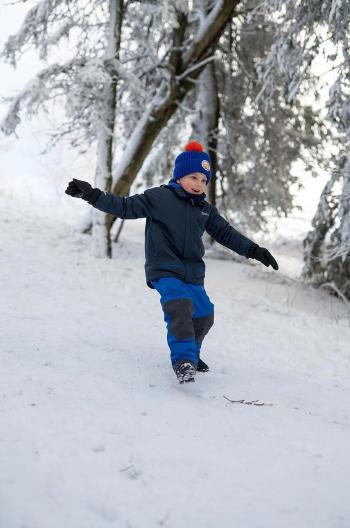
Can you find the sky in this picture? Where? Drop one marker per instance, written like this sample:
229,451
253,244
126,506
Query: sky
24,172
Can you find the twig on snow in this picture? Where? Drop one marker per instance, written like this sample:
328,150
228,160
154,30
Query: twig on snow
253,402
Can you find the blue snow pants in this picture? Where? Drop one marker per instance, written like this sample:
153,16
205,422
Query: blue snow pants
188,314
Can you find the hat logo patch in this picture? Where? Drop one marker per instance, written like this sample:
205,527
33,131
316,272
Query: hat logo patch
206,165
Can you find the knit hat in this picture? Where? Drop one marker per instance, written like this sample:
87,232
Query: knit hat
192,160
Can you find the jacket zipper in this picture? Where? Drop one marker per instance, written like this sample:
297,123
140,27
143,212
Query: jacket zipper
186,223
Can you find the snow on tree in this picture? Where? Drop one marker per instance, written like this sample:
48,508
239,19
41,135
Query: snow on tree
189,48
258,148
252,150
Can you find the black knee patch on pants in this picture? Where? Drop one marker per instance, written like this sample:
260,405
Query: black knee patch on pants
202,325
180,313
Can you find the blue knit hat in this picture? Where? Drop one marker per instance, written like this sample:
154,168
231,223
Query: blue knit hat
192,160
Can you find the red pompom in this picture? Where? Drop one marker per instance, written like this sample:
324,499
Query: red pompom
194,145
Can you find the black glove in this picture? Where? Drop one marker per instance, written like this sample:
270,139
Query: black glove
262,255
82,189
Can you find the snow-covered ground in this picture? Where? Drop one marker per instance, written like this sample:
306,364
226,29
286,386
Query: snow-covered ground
95,431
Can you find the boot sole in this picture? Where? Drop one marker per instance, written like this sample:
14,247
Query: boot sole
187,378
184,380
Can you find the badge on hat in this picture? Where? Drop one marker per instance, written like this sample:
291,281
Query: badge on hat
206,165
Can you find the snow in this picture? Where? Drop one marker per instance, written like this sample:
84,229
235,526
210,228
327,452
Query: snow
95,430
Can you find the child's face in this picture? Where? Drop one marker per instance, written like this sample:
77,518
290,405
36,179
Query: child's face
195,183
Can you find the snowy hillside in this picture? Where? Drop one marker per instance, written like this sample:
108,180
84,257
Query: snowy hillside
95,430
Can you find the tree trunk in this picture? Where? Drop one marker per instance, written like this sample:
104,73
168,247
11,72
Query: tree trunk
101,240
206,123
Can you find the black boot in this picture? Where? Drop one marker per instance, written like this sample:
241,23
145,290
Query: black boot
185,370
202,367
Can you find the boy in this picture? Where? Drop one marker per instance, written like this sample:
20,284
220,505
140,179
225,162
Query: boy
176,216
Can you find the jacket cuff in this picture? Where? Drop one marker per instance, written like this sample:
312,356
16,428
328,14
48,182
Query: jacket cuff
93,196
252,250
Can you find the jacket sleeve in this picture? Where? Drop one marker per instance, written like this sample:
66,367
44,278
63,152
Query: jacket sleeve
131,207
228,236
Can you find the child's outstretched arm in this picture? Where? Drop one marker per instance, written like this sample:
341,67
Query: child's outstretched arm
228,236
131,207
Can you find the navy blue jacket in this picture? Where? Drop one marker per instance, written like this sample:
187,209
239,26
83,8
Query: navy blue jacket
175,224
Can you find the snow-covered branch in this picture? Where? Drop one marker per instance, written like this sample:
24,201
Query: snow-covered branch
194,67
115,67
210,30
36,92
33,29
